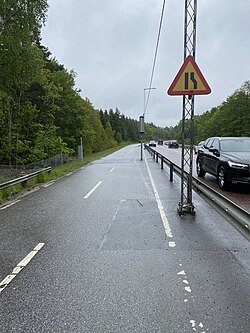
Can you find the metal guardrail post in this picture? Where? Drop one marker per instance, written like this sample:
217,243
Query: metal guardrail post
156,157
24,183
161,162
171,171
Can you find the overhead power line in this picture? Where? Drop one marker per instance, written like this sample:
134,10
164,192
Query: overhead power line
155,56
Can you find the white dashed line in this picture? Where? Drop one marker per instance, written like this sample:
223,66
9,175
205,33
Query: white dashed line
19,267
111,170
93,189
196,327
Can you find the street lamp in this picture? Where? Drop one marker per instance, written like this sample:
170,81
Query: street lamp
142,118
144,104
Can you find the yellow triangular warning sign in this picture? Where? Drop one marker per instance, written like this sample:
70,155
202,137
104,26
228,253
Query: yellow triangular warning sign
189,80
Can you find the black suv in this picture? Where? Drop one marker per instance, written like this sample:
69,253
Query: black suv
173,144
227,158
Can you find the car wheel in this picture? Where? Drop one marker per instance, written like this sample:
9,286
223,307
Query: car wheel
221,178
199,170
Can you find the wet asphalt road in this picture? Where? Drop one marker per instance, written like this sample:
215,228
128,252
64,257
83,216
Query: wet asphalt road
118,258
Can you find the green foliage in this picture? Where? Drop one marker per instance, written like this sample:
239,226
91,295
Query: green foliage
9,192
231,118
42,114
118,137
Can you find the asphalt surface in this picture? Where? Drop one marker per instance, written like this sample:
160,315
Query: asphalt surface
115,256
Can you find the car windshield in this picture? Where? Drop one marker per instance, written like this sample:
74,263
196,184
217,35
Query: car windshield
239,144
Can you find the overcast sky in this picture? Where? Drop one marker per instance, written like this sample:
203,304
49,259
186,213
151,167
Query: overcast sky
110,44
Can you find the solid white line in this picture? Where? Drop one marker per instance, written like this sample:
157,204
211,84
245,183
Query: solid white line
93,189
49,184
19,267
111,170
9,205
159,204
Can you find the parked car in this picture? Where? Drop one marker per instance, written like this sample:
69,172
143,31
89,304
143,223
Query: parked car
196,148
152,143
227,158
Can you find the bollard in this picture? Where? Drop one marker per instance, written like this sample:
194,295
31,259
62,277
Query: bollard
156,157
162,162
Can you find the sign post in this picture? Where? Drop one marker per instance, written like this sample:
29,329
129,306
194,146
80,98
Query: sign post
188,82
141,132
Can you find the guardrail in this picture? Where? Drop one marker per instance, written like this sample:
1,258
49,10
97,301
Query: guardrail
236,215
23,179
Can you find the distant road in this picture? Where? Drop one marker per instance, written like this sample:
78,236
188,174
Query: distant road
104,250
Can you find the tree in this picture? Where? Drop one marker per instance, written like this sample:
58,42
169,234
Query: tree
20,59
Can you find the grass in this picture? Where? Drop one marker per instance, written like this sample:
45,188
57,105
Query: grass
10,192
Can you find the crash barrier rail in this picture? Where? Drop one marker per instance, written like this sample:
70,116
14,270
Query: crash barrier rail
23,179
236,215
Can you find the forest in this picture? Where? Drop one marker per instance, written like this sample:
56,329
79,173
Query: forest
42,113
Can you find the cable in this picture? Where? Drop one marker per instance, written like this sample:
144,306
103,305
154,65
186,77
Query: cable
154,62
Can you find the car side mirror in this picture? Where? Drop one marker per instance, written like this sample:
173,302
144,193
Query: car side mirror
216,152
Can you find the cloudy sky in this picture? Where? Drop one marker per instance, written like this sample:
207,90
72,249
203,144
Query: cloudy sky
110,44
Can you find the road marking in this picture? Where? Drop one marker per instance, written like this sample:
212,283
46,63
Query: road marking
49,184
35,189
9,205
68,174
194,325
93,189
20,266
160,206
199,328
111,170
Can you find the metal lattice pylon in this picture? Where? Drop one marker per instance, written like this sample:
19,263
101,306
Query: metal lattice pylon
186,204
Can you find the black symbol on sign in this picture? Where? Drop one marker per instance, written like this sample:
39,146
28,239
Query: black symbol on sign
192,79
